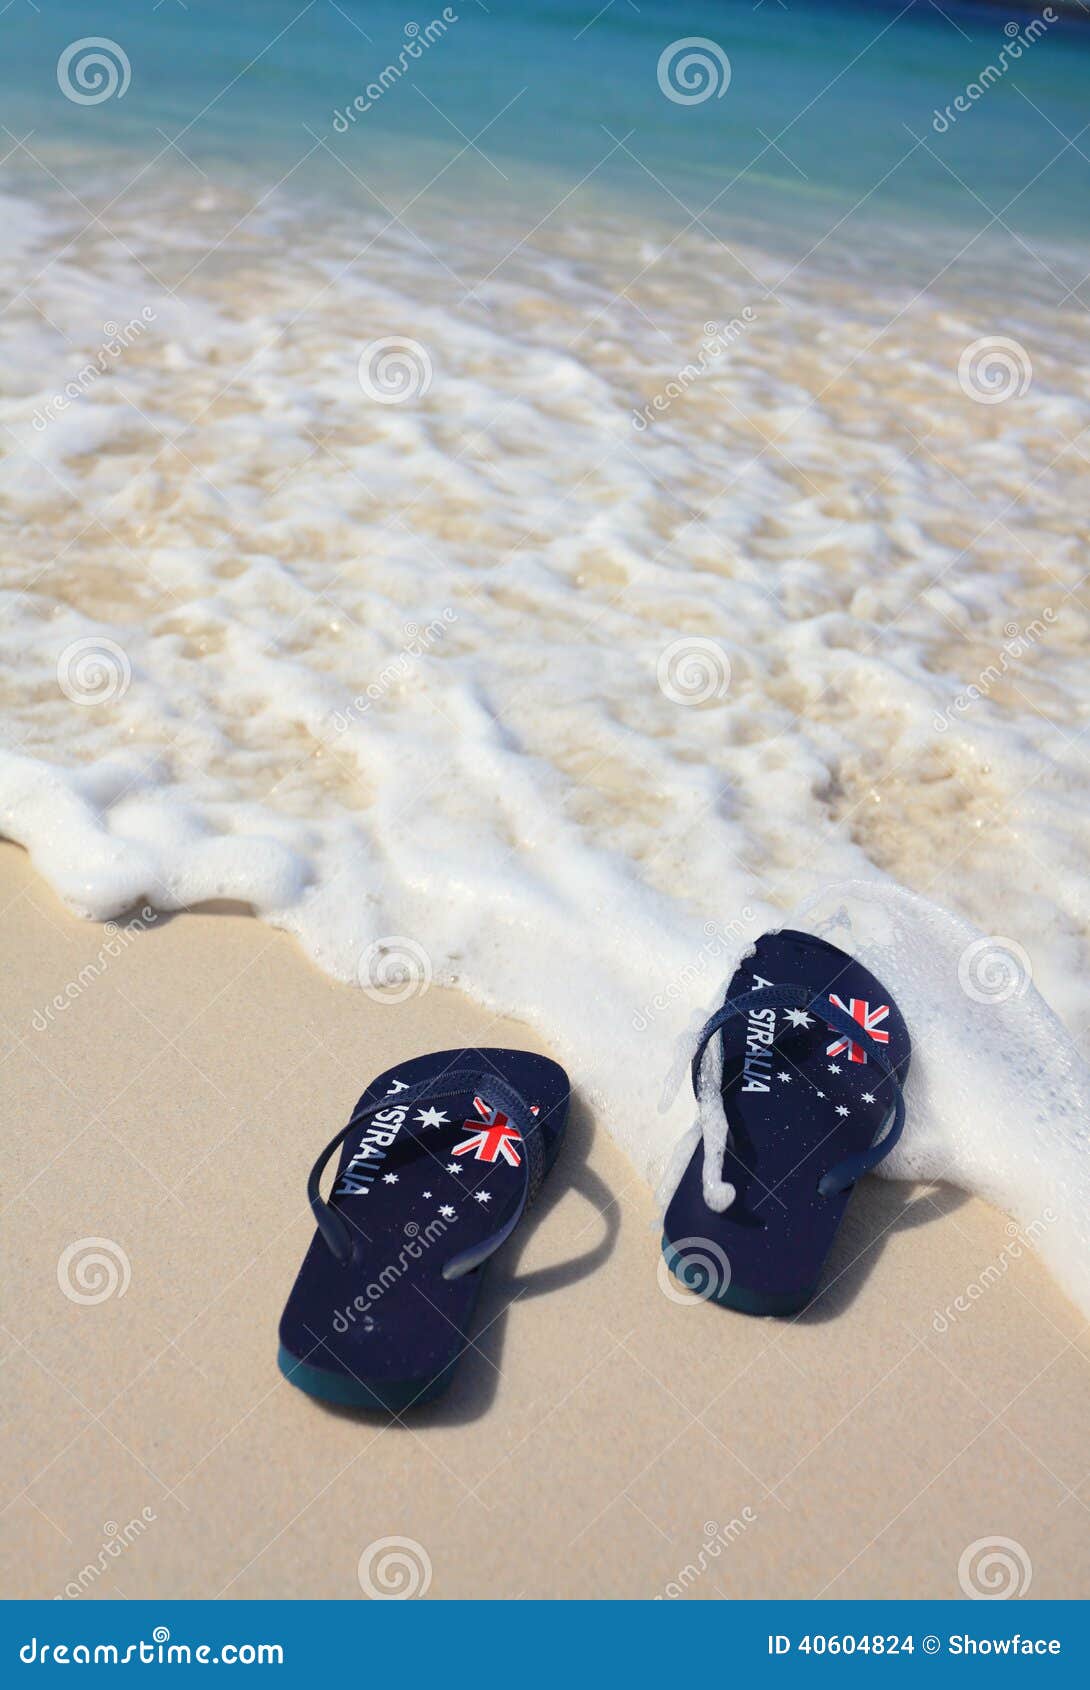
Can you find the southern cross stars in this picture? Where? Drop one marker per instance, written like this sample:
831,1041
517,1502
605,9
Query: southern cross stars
482,1197
842,1109
447,1212
798,1018
868,1097
389,1179
454,1167
833,1068
432,1117
786,1078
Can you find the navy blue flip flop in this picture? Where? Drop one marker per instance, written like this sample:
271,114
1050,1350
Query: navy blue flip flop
440,1160
814,1056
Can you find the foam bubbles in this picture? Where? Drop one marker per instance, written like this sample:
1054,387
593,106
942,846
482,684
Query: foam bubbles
426,669
998,1096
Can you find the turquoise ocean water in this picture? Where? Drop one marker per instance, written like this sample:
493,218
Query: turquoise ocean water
830,103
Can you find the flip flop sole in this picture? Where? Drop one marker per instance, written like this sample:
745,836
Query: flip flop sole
392,1396
735,1296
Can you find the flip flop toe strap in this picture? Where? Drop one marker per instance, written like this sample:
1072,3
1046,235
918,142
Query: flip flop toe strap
457,1082
853,1166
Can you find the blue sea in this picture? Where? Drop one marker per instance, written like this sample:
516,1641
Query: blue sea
830,108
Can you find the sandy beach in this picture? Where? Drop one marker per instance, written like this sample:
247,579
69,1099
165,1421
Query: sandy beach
500,512
600,1439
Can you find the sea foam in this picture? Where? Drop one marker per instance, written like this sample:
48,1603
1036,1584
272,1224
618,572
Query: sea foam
488,687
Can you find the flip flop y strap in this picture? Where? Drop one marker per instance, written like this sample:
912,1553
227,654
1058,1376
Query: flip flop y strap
500,1096
852,1167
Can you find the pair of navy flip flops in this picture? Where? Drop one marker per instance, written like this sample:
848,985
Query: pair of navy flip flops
439,1161
443,1155
814,1056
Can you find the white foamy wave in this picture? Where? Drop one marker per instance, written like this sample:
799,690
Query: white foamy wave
998,1096
425,669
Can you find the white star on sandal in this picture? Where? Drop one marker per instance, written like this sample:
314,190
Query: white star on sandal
447,1212
389,1179
482,1196
798,1018
868,1097
842,1109
432,1117
454,1168
786,1078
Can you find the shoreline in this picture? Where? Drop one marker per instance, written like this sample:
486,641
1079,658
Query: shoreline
174,1108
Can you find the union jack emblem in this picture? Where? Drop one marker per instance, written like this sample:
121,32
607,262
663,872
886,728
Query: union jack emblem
495,1138
868,1019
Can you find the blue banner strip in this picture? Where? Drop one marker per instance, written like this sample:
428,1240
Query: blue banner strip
462,1643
